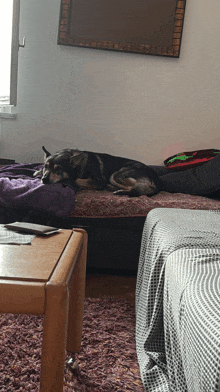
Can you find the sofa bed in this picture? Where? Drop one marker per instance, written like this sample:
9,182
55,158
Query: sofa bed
177,301
114,223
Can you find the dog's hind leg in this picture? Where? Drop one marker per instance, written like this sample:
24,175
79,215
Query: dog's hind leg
133,187
121,186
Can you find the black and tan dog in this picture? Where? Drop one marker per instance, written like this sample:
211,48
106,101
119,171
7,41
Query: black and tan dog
90,170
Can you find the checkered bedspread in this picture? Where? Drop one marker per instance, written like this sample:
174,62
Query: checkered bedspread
178,301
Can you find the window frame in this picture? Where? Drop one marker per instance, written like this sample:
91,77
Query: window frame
14,53
5,105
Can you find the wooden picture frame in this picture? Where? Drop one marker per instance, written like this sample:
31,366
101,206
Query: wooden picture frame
152,27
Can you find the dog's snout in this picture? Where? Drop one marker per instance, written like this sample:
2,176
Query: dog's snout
45,178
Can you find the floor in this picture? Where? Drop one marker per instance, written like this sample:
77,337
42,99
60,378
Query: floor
99,285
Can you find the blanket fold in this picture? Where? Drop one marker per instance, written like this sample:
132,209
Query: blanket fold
23,197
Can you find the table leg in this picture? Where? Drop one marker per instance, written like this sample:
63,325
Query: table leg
54,338
76,302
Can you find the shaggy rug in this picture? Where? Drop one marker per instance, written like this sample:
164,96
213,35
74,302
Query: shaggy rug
107,360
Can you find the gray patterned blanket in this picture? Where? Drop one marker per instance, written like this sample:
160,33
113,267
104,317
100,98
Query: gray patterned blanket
177,301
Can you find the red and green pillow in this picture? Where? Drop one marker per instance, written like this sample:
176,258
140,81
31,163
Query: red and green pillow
187,160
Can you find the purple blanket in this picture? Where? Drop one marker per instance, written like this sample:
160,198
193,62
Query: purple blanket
23,196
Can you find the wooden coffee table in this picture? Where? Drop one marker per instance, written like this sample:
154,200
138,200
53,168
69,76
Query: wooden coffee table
48,278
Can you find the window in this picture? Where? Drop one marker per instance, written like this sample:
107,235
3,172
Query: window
9,46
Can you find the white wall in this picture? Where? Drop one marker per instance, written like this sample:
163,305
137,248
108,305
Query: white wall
142,107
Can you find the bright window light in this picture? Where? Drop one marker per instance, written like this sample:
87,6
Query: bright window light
6,7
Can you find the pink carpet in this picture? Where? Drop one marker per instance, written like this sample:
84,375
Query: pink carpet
107,360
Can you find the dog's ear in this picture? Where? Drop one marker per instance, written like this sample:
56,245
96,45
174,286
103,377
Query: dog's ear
46,153
77,158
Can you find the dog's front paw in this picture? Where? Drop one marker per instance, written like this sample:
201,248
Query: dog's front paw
37,173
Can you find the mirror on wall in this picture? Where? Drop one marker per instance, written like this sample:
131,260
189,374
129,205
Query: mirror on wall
152,27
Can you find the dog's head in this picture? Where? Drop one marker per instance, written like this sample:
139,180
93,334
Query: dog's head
60,167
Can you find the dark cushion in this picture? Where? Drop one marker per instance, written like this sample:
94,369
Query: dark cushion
201,180
187,160
160,170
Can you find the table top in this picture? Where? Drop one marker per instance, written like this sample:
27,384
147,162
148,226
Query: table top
34,262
